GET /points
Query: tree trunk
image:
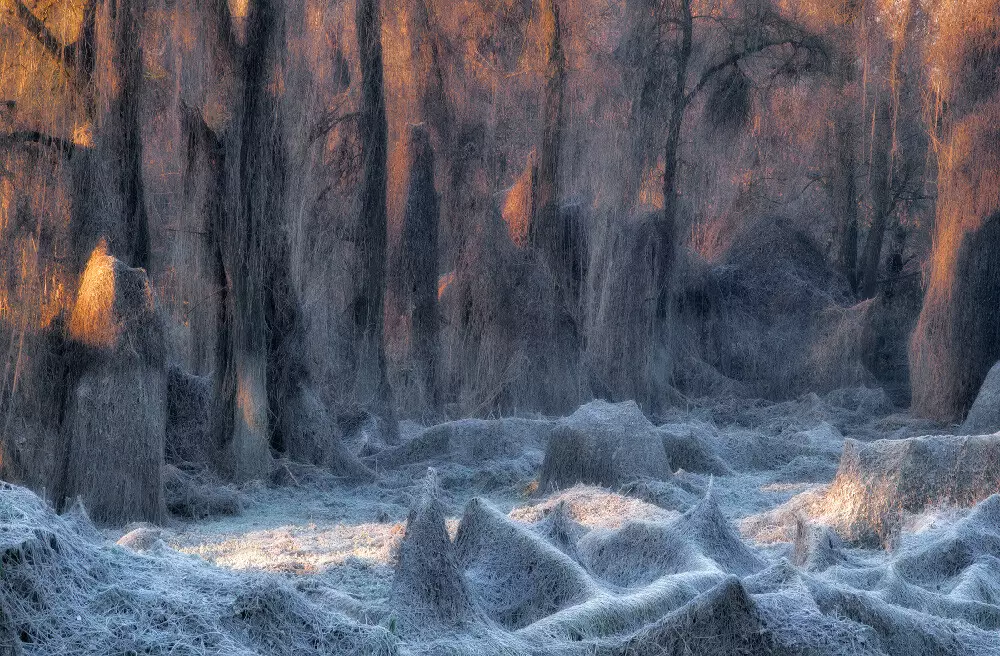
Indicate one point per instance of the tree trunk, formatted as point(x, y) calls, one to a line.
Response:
point(419, 261)
point(108, 191)
point(882, 201)
point(126, 109)
point(845, 200)
point(254, 204)
point(371, 382)
point(666, 230)
point(435, 109)
point(115, 424)
point(112, 395)
point(544, 229)
point(957, 338)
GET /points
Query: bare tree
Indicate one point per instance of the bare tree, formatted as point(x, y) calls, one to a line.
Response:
point(676, 60)
point(109, 398)
point(263, 390)
point(544, 229)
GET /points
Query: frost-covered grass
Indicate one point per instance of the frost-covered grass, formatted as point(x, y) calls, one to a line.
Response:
point(469, 559)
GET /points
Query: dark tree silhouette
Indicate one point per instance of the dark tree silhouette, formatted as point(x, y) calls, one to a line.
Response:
point(418, 262)
point(372, 383)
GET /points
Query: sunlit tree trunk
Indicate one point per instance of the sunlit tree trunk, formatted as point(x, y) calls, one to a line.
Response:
point(957, 338)
point(108, 206)
point(372, 384)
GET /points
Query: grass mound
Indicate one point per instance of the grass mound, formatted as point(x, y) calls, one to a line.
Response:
point(64, 590)
point(606, 444)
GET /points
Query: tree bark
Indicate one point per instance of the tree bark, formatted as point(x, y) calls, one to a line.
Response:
point(372, 383)
point(882, 200)
point(544, 229)
point(666, 229)
point(845, 200)
point(419, 260)
point(254, 187)
point(126, 137)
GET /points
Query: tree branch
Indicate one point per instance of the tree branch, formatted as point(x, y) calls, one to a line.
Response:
point(36, 28)
point(63, 146)
point(327, 122)
point(735, 58)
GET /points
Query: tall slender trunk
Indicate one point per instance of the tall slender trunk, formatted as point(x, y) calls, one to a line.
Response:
point(845, 200)
point(435, 109)
point(544, 229)
point(665, 233)
point(419, 258)
point(254, 189)
point(372, 383)
point(126, 108)
point(882, 201)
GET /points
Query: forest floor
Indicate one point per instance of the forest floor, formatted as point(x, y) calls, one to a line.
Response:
point(720, 558)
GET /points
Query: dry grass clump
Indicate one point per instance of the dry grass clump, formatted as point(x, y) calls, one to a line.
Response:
point(639, 553)
point(877, 483)
point(515, 575)
point(605, 444)
point(769, 314)
point(64, 590)
point(276, 619)
point(593, 507)
point(689, 451)
point(879, 480)
point(984, 416)
point(198, 494)
point(428, 589)
point(469, 441)
point(117, 413)
point(724, 621)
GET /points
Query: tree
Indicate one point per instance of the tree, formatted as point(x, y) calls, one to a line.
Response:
point(878, 139)
point(372, 382)
point(418, 262)
point(544, 229)
point(263, 390)
point(108, 197)
point(120, 383)
point(676, 58)
point(957, 338)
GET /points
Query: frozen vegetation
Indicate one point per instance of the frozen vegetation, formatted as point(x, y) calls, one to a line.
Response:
point(499, 327)
point(738, 528)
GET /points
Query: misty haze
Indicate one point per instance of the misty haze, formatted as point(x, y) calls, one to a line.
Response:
point(499, 327)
